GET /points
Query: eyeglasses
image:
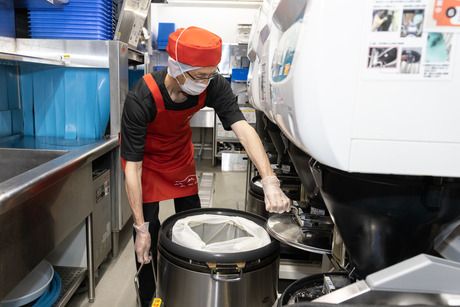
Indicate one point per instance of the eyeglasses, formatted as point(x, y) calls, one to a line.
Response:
point(209, 77)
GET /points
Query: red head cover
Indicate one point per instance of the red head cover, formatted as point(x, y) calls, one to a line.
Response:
point(196, 47)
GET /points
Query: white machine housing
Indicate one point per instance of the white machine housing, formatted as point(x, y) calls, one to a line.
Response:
point(259, 49)
point(330, 106)
point(406, 283)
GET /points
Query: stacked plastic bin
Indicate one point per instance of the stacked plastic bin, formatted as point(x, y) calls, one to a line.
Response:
point(79, 19)
point(164, 29)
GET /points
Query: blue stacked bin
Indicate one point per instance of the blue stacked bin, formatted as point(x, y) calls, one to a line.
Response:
point(79, 19)
point(164, 29)
point(240, 74)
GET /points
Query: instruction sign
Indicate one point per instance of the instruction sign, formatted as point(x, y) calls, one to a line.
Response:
point(411, 39)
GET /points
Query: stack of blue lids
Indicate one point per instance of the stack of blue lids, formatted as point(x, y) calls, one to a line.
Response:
point(79, 19)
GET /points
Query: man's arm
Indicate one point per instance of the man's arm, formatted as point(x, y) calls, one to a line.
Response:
point(275, 199)
point(134, 121)
point(133, 185)
point(253, 145)
point(222, 99)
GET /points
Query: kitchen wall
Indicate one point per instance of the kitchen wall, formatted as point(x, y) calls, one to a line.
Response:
point(221, 19)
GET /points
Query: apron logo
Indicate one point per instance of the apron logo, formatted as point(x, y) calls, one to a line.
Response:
point(189, 181)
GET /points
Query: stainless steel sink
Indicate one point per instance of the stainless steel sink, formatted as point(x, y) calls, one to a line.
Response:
point(17, 161)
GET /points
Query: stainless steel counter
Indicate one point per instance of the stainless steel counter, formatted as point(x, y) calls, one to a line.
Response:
point(44, 195)
point(203, 118)
point(43, 192)
point(25, 185)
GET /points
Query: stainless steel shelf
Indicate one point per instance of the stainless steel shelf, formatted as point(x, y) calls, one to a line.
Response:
point(71, 280)
point(207, 180)
point(9, 52)
point(135, 56)
point(72, 53)
point(228, 140)
point(30, 59)
point(219, 154)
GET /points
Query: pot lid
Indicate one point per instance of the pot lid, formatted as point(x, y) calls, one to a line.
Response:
point(302, 231)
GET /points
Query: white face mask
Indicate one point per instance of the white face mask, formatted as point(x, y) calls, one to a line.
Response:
point(192, 87)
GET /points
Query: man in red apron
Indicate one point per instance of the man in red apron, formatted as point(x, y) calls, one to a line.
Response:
point(156, 138)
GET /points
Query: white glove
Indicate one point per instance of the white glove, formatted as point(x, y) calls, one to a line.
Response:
point(142, 243)
point(275, 199)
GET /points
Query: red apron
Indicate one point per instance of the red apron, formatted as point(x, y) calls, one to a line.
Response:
point(168, 168)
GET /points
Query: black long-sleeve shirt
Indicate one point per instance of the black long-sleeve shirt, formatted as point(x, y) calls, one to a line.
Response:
point(140, 110)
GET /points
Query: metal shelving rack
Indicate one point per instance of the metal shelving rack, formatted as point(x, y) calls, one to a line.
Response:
point(71, 279)
point(226, 139)
point(233, 55)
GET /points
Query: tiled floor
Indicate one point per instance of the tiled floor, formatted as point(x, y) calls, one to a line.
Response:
point(116, 287)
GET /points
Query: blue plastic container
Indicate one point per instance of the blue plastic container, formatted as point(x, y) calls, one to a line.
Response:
point(159, 68)
point(134, 76)
point(75, 18)
point(240, 74)
point(164, 30)
point(91, 36)
point(88, 36)
point(70, 27)
point(7, 27)
point(56, 23)
point(73, 36)
point(94, 11)
point(75, 2)
point(77, 12)
point(51, 296)
point(73, 103)
point(40, 4)
point(79, 19)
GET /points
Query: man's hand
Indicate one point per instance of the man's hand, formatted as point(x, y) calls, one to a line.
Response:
point(275, 199)
point(142, 243)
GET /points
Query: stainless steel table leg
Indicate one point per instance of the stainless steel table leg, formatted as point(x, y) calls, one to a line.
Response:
point(200, 153)
point(90, 258)
point(248, 180)
point(214, 143)
point(115, 243)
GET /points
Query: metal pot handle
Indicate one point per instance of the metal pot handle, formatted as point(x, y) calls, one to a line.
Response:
point(227, 277)
point(230, 277)
point(136, 280)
